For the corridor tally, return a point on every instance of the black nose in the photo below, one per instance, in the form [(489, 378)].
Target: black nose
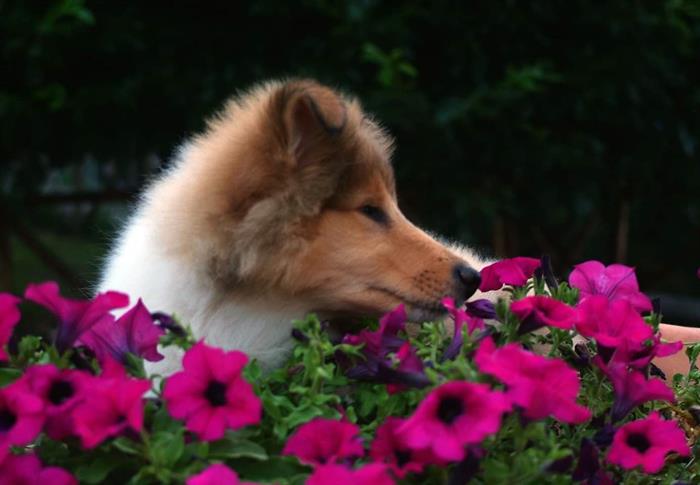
[(467, 279)]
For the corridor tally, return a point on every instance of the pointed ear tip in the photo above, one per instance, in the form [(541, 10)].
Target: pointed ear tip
[(326, 106)]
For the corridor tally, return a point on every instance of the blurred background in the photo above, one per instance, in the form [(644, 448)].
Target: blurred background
[(524, 128)]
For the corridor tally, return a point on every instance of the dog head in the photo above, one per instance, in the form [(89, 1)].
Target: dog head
[(290, 191)]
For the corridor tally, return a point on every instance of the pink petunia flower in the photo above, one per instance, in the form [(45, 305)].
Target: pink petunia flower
[(632, 388), (9, 316), (21, 417), (409, 363), (615, 282), (113, 404), (210, 393), (539, 311), (75, 316), (460, 318), (322, 441), (61, 391), (388, 448), (646, 442), (28, 470), (453, 415), (541, 386), (331, 474), (514, 272), (611, 322), (217, 474), (134, 332)]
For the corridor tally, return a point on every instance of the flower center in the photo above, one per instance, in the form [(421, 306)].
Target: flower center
[(7, 420), (216, 393), (639, 442), (60, 392), (450, 408), (402, 457)]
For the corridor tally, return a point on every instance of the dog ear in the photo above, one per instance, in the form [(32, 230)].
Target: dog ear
[(314, 116)]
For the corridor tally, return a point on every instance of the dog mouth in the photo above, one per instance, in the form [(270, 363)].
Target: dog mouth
[(417, 310)]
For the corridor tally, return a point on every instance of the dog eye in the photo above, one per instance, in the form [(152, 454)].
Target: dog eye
[(375, 213)]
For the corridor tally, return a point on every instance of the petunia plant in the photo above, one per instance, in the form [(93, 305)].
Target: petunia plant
[(540, 382)]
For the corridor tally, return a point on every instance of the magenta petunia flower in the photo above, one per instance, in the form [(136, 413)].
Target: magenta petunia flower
[(75, 316), (639, 356), (21, 416), (210, 393), (632, 388), (134, 332), (331, 474), (9, 316), (460, 318), (611, 322), (322, 441), (539, 311), (541, 386), (217, 474), (513, 272), (409, 363), (646, 442), (112, 404), (388, 448), (452, 416), (61, 391), (28, 470), (615, 282)]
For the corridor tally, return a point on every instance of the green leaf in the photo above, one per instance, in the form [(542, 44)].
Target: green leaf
[(166, 448), (8, 375), (97, 470), (239, 448), (130, 447)]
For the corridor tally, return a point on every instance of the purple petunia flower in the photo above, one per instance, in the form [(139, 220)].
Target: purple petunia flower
[(9, 316), (409, 363), (513, 272), (632, 388), (646, 442), (482, 308), (134, 332), (377, 344), (460, 318), (615, 282), (452, 416), (322, 441), (535, 312), (540, 386), (75, 316), (639, 356)]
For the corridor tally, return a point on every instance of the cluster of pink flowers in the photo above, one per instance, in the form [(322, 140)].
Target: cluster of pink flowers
[(210, 394), (450, 425), (609, 312)]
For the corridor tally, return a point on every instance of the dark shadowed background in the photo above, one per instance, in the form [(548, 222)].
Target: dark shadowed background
[(523, 128)]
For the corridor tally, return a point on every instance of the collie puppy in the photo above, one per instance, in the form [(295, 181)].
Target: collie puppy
[(285, 205)]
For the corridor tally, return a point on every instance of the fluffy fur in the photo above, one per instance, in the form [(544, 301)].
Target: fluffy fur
[(285, 205)]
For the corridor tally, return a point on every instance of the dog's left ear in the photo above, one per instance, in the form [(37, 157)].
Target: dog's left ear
[(314, 117)]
